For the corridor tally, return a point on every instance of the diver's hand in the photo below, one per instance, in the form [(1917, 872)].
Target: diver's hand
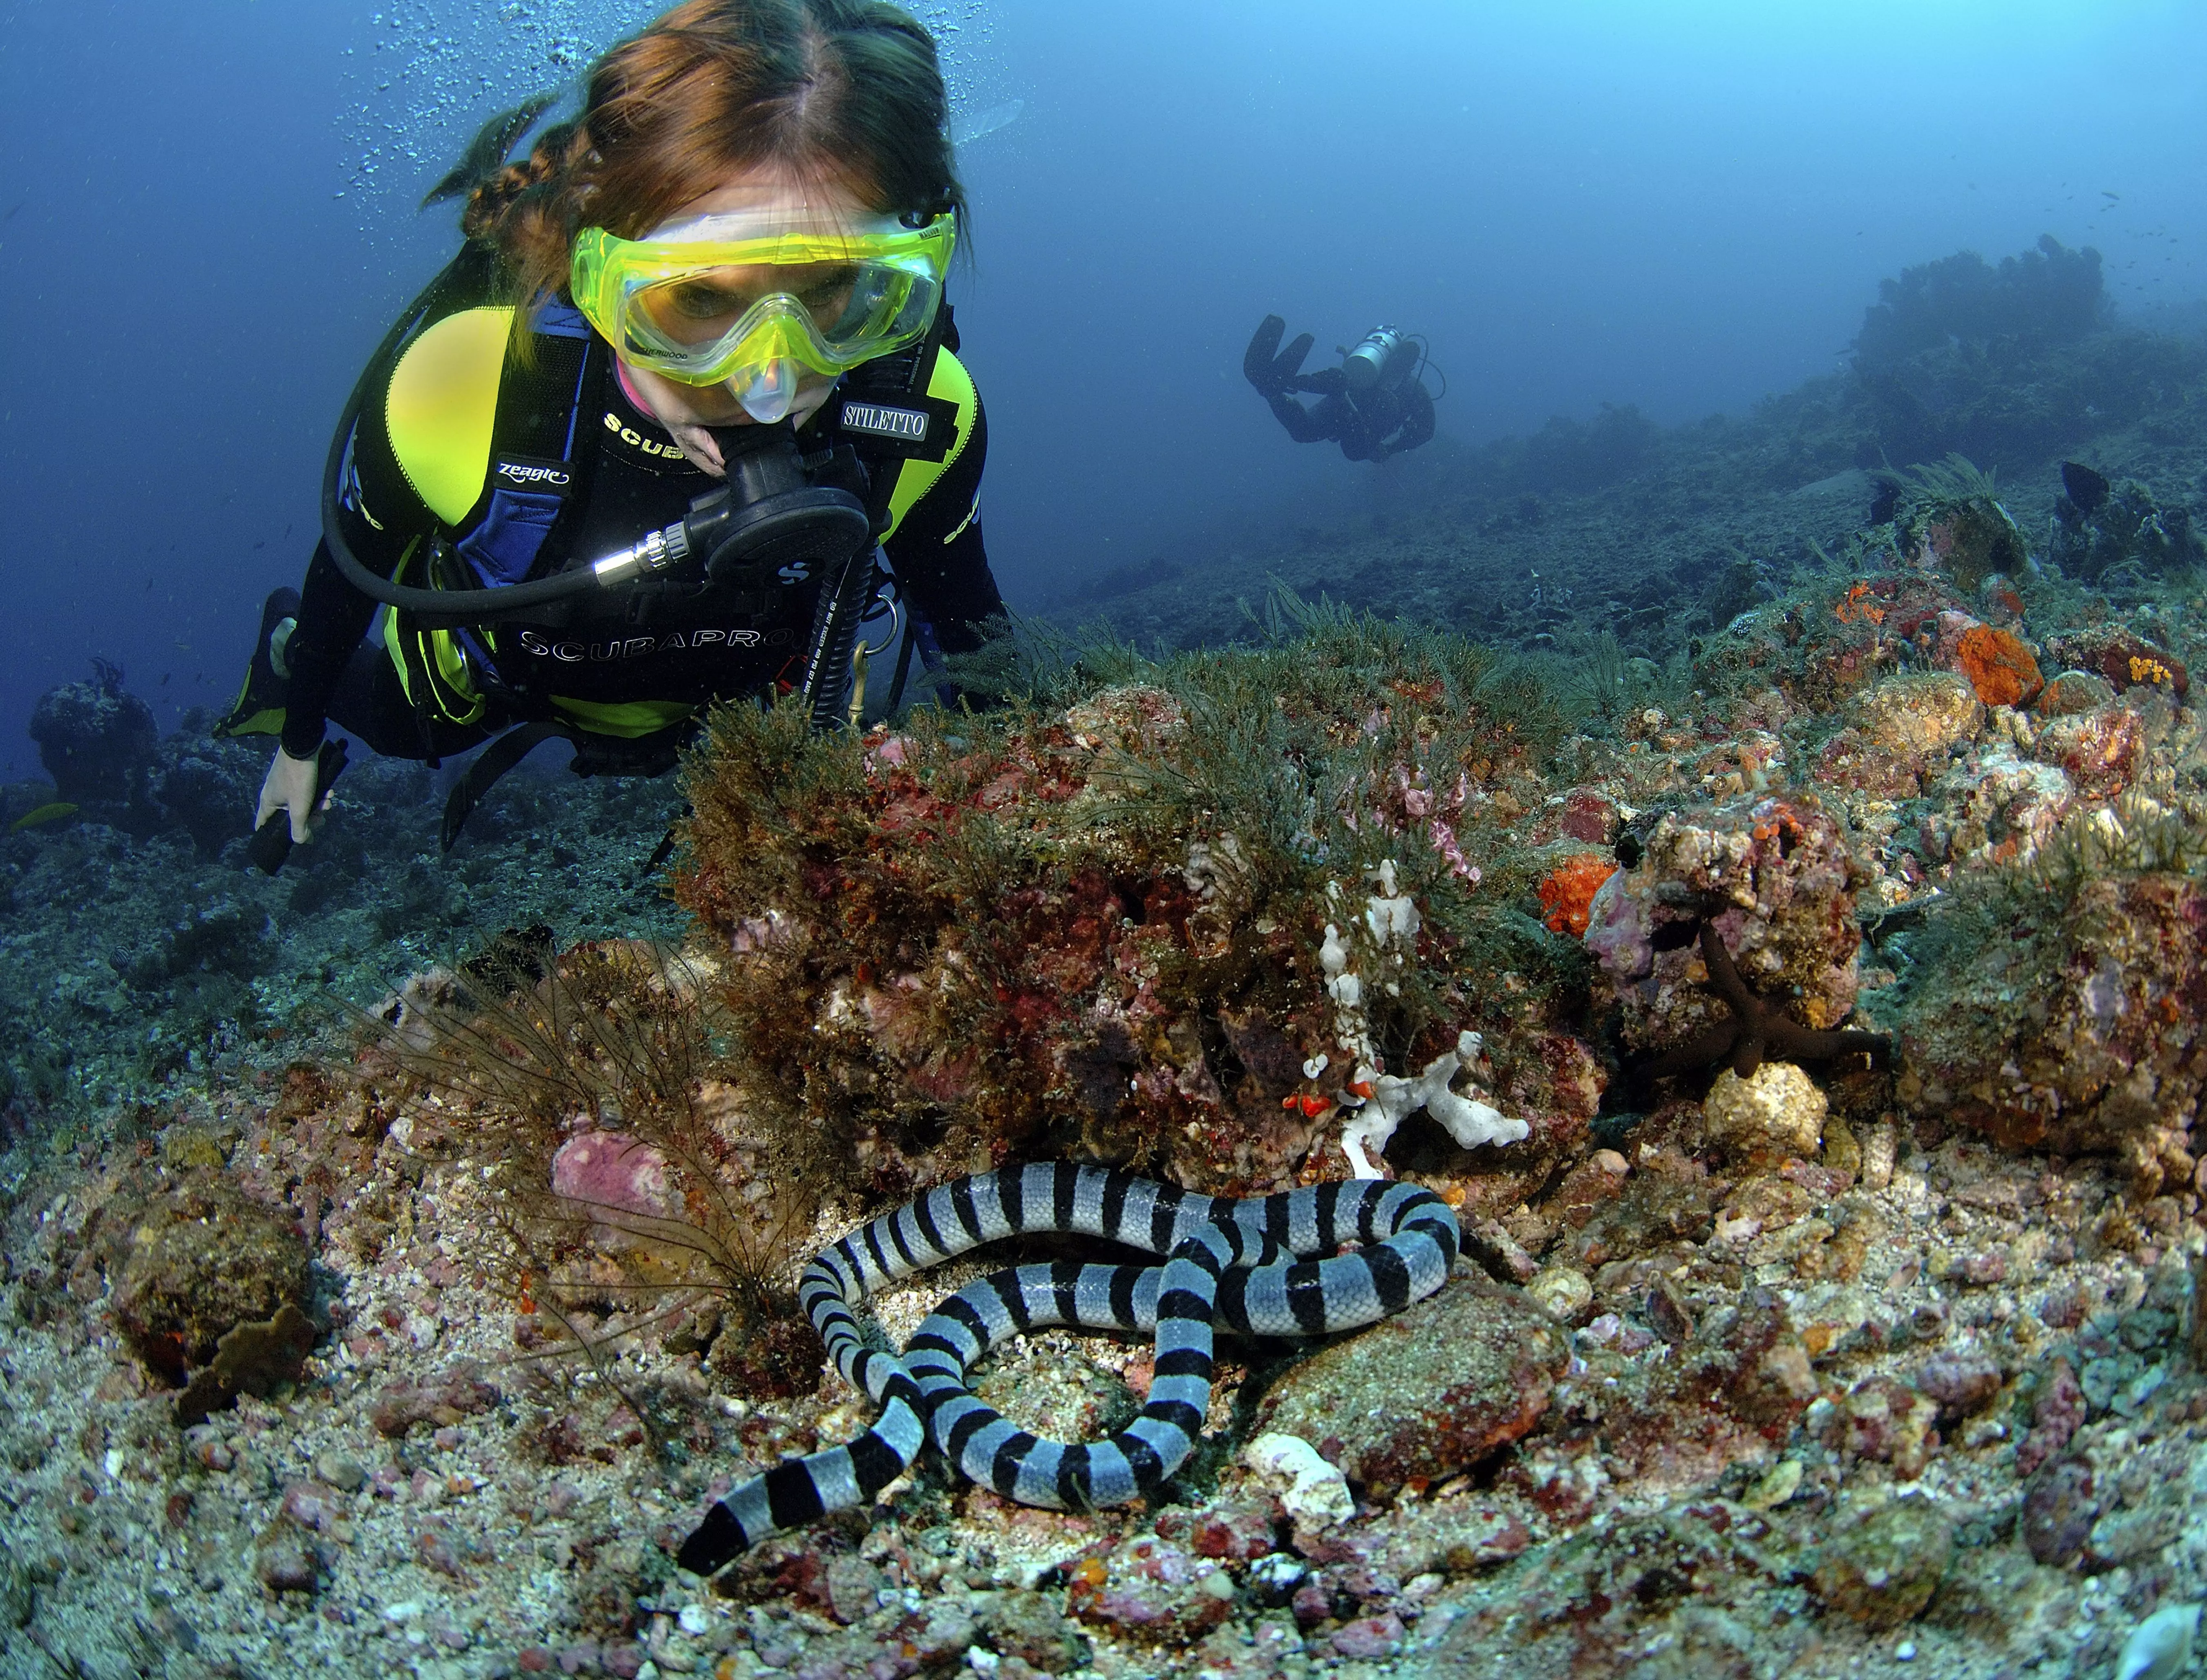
[(290, 787)]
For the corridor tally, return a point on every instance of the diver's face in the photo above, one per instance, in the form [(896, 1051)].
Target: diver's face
[(687, 410)]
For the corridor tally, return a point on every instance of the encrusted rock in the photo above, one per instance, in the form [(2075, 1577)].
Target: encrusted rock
[(1778, 1109), (1884, 1419), (94, 739), (1883, 1570), (2073, 691), (1652, 1210), (1961, 1381), (1993, 803), (2099, 750), (1917, 715), (444, 1400), (1427, 1393), (1779, 880), (1237, 1530), (1027, 1625), (2078, 1033), (1566, 1292), (1150, 1589), (1371, 1638), (1730, 1394), (284, 1557), (203, 1259), (2060, 1503)]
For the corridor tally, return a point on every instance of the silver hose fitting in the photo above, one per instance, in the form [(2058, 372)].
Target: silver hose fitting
[(655, 553)]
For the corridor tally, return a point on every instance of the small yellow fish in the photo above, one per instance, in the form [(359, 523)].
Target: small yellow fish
[(52, 811)]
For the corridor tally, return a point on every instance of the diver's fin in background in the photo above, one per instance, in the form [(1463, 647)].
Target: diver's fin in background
[(1264, 345), (1263, 365), (662, 851), (487, 152), (1267, 367)]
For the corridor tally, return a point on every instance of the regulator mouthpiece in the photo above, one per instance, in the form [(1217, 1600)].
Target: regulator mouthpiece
[(768, 391)]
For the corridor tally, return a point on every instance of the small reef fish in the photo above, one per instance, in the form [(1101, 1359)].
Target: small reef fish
[(52, 811)]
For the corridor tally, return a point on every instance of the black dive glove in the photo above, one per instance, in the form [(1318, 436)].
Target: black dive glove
[(1270, 369)]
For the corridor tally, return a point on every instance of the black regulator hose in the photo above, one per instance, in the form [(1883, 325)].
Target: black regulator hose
[(444, 608)]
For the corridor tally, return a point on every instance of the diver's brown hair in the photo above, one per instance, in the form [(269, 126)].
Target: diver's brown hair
[(848, 92)]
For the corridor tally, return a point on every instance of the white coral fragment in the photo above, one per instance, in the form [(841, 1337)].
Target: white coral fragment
[(1468, 1121), (1390, 915), (1333, 955), (2160, 1645), (1311, 1489)]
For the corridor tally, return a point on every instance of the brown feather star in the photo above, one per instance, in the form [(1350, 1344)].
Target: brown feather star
[(1756, 1028)]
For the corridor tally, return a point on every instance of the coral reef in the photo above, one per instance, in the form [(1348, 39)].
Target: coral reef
[(1177, 925), (1769, 1361), (2048, 293), (2101, 530)]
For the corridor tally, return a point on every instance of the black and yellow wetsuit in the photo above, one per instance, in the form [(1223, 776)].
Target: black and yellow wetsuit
[(437, 493)]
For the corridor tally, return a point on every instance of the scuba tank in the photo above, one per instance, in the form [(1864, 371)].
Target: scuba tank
[(1379, 359)]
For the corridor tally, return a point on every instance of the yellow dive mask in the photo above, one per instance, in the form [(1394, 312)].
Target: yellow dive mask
[(748, 300)]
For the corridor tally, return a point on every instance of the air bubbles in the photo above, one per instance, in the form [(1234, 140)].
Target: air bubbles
[(448, 65)]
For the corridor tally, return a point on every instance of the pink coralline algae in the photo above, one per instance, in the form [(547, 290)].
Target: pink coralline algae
[(608, 1171), (2054, 1417)]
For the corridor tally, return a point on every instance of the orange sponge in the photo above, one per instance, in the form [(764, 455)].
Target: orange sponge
[(1999, 666), (1570, 890)]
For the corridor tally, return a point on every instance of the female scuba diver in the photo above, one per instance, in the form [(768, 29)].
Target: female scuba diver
[(645, 443)]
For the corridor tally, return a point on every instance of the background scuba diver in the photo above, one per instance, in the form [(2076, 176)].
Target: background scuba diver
[(1373, 404), (728, 271)]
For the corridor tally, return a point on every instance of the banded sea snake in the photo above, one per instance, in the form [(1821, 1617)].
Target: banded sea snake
[(1227, 1263)]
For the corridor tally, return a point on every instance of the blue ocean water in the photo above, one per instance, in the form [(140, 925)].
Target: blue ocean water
[(207, 218)]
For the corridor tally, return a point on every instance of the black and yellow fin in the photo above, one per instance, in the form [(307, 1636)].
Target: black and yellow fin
[(259, 708)]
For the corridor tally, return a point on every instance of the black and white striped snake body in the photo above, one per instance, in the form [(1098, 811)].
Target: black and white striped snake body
[(1246, 1266)]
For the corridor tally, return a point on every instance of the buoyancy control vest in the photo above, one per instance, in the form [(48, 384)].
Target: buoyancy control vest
[(499, 437)]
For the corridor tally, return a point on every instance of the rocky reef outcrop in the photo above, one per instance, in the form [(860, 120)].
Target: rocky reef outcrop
[(1213, 929), (96, 738)]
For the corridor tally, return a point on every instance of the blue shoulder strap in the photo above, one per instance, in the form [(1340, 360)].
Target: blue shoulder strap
[(535, 460)]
